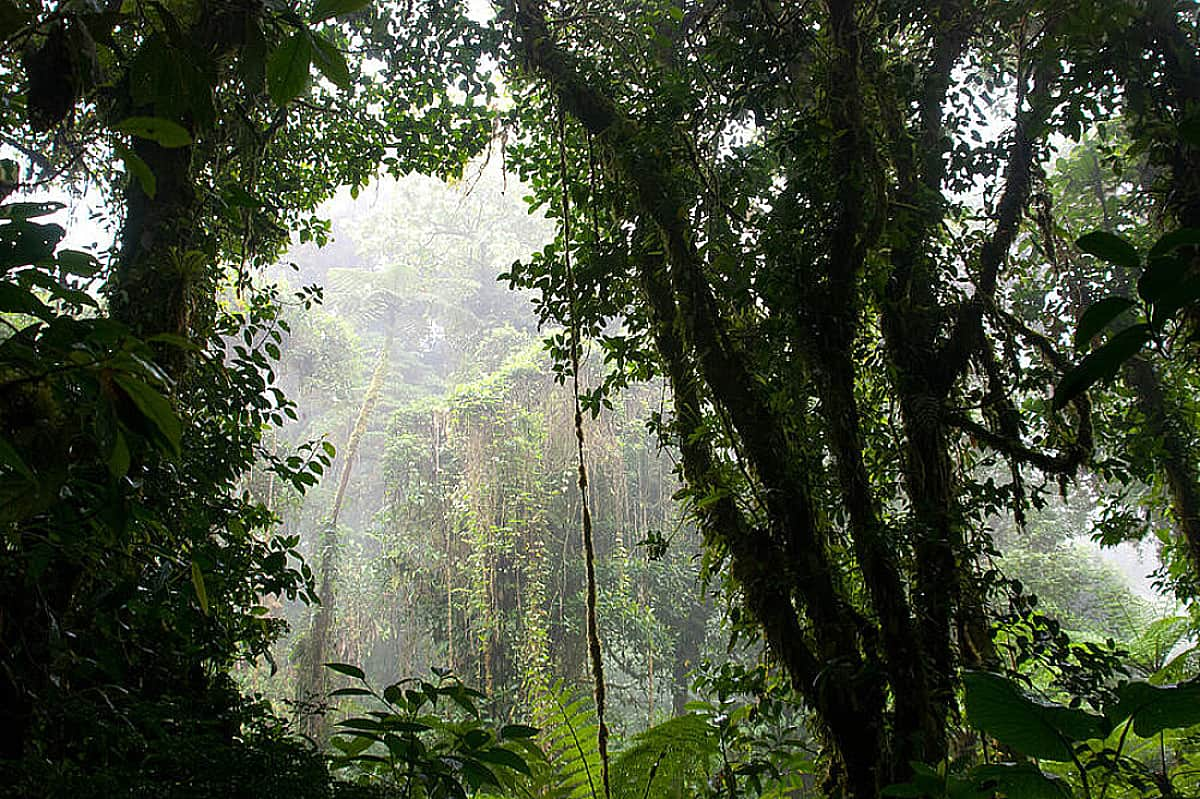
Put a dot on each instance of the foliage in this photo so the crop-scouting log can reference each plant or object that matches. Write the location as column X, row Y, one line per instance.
column 1094, row 743
column 153, row 573
column 569, row 728
column 1164, row 288
column 419, row 749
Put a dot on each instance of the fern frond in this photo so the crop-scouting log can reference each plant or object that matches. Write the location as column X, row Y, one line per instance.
column 666, row 760
column 569, row 727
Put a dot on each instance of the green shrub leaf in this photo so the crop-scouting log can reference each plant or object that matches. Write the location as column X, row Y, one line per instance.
column 1109, row 247
column 996, row 705
column 1097, row 317
column 288, row 68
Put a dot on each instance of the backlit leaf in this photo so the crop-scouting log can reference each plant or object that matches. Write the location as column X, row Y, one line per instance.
column 328, row 9
column 288, row 68
column 1101, row 364
column 1097, row 317
column 155, row 407
column 1109, row 247
column 997, row 706
column 163, row 132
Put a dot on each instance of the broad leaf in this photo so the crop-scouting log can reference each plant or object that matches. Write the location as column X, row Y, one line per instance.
column 477, row 774
column 29, row 210
column 518, row 731
column 118, row 458
column 1020, row 781
column 163, row 132
column 1154, row 708
column 23, row 242
column 1109, row 247
column 1097, row 317
column 361, row 724
column 16, row 299
column 1186, row 293
column 1161, row 277
column 996, row 705
column 328, row 9
column 503, row 757
column 1184, row 237
column 1101, row 364
column 347, row 669
column 288, row 68
column 330, row 61
column 139, row 169
column 351, row 692
column 77, row 262
column 155, row 407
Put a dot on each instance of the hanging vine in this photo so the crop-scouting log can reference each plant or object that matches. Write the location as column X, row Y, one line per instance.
column 589, row 548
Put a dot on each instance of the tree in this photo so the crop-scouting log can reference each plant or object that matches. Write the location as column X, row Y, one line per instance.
column 771, row 199
column 134, row 565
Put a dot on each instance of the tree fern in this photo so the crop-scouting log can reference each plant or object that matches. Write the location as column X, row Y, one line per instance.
column 569, row 728
column 667, row 760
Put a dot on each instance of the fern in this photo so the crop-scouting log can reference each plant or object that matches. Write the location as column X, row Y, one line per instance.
column 569, row 727
column 665, row 760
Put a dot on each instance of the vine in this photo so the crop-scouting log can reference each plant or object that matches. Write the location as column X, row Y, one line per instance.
column 589, row 549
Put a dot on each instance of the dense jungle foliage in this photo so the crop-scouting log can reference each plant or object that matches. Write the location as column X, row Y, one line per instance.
column 604, row 400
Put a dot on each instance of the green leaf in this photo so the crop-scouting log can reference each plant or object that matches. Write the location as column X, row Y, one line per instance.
column 10, row 458
column 351, row 692
column 518, row 731
column 198, row 584
column 329, row 448
column 23, row 242
column 1155, row 708
column 163, row 132
column 238, row 196
column 174, row 340
column 139, row 169
column 288, row 68
column 1184, row 237
column 29, row 210
column 1097, row 317
column 328, row 9
column 503, row 757
column 1020, row 781
column 77, row 262
column 996, row 705
column 477, row 774
column 155, row 407
column 365, row 725
column 1161, row 277
column 330, row 61
column 401, row 725
column 1109, row 247
column 118, row 459
column 348, row 670
column 1185, row 294
column 1101, row 364
column 16, row 299
column 351, row 745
